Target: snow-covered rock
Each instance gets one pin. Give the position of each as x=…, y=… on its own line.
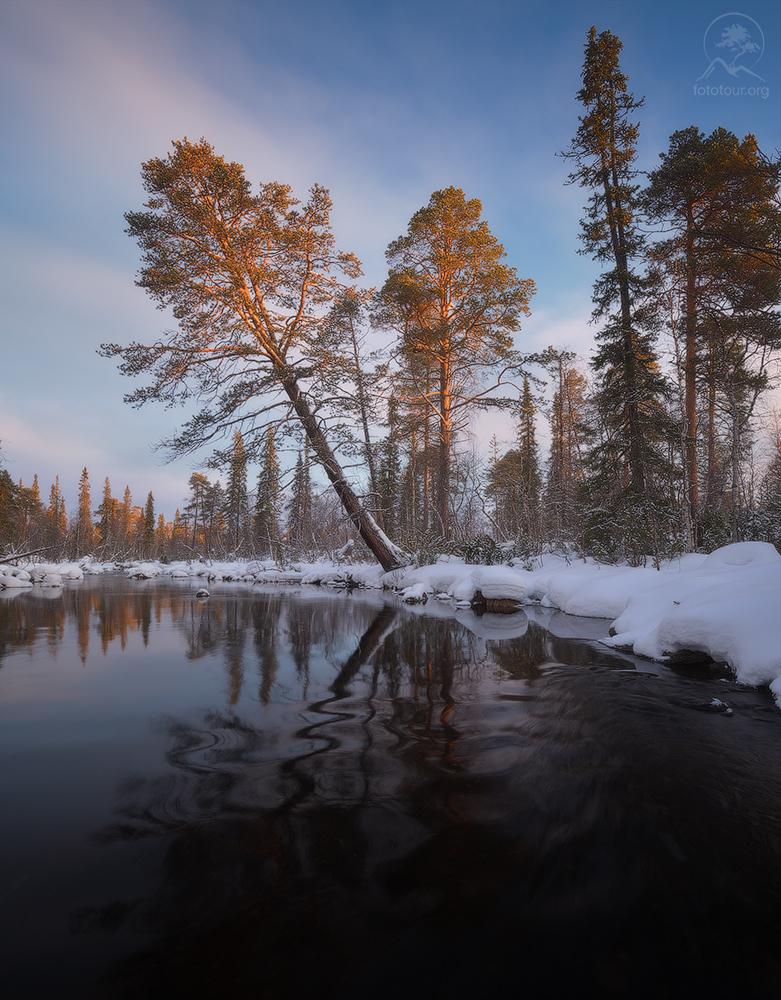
x=459, y=581
x=9, y=582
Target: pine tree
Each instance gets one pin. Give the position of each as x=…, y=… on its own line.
x=85, y=530
x=267, y=502
x=249, y=273
x=456, y=304
x=196, y=510
x=236, y=504
x=715, y=199
x=631, y=387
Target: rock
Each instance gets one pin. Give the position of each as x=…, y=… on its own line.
x=202, y=593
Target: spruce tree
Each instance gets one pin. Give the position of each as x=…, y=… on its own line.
x=236, y=504
x=8, y=508
x=106, y=512
x=123, y=518
x=85, y=531
x=149, y=525
x=267, y=502
x=529, y=463
x=299, y=518
x=631, y=387
x=56, y=516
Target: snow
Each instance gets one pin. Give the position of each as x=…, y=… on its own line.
x=11, y=582
x=726, y=605
x=459, y=581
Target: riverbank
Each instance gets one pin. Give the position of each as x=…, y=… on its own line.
x=725, y=606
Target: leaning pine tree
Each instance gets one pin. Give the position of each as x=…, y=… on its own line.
x=630, y=386
x=250, y=277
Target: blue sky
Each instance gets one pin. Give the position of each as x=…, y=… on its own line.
x=382, y=103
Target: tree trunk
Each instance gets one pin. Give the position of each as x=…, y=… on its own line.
x=363, y=407
x=711, y=431
x=690, y=382
x=445, y=448
x=735, y=483
x=386, y=553
x=636, y=457
x=426, y=472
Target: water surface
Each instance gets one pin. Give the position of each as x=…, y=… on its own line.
x=275, y=795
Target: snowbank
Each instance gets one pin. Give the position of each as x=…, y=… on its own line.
x=463, y=582
x=726, y=605
x=327, y=574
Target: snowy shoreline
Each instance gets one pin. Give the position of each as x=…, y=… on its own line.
x=726, y=605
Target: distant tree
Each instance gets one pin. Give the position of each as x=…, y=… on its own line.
x=149, y=525
x=529, y=463
x=236, y=503
x=768, y=512
x=299, y=518
x=85, y=529
x=250, y=278
x=568, y=433
x=106, y=515
x=123, y=518
x=161, y=536
x=456, y=304
x=198, y=509
x=8, y=508
x=56, y=517
x=179, y=533
x=504, y=489
x=267, y=502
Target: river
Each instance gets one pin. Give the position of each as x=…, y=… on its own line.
x=276, y=794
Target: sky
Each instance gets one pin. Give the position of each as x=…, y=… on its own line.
x=381, y=102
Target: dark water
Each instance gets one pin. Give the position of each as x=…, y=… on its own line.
x=286, y=795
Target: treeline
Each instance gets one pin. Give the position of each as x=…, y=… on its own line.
x=652, y=443
x=276, y=519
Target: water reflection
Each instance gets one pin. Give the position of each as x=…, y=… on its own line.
x=407, y=801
